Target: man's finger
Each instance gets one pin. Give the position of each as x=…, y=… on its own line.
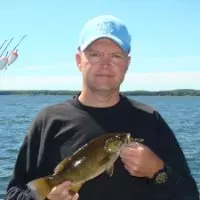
x=128, y=151
x=75, y=197
x=58, y=189
x=128, y=160
x=133, y=144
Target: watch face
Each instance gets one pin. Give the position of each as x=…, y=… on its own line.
x=162, y=177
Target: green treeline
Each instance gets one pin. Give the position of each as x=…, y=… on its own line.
x=178, y=92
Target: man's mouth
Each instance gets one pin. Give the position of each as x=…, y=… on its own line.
x=104, y=75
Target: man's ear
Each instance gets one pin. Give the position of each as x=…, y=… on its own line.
x=128, y=63
x=129, y=60
x=78, y=60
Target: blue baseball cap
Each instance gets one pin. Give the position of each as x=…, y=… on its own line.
x=105, y=26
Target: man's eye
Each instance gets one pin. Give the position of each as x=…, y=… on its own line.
x=117, y=56
x=94, y=54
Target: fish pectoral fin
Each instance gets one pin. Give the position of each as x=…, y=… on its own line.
x=61, y=166
x=75, y=187
x=110, y=170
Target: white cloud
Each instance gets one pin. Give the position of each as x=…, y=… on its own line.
x=34, y=67
x=40, y=82
x=162, y=81
x=59, y=65
x=167, y=63
x=133, y=81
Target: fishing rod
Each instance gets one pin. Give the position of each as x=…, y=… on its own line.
x=3, y=44
x=17, y=44
x=6, y=47
x=7, y=60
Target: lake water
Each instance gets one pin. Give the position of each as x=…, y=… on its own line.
x=17, y=112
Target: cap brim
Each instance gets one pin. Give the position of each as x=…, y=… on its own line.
x=88, y=42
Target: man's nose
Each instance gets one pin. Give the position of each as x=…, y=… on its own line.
x=105, y=60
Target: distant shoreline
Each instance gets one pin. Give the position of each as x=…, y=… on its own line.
x=178, y=92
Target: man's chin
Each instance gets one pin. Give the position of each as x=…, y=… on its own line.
x=105, y=88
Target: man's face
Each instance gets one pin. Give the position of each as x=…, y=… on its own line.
x=103, y=65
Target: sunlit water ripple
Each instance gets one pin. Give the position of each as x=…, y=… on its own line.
x=17, y=112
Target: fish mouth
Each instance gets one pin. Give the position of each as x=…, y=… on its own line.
x=130, y=139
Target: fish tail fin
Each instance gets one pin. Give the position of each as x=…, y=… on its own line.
x=40, y=188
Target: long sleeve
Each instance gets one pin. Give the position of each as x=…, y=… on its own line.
x=180, y=184
x=25, y=166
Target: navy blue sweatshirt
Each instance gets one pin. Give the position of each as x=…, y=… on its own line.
x=61, y=129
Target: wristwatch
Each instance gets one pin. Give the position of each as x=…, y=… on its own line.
x=161, y=176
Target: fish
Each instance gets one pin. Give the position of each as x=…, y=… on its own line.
x=89, y=161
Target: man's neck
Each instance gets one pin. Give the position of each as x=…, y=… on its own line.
x=99, y=99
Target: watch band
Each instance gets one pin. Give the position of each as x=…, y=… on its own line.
x=161, y=176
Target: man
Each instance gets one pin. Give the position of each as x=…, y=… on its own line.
x=154, y=169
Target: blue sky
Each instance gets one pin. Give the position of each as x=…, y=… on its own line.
x=165, y=42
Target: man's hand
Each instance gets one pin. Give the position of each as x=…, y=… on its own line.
x=140, y=161
x=61, y=192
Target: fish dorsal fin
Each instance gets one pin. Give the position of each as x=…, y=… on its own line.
x=60, y=167
x=110, y=170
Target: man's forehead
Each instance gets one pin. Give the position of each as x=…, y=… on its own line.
x=105, y=41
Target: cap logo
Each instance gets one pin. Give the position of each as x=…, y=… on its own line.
x=106, y=27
